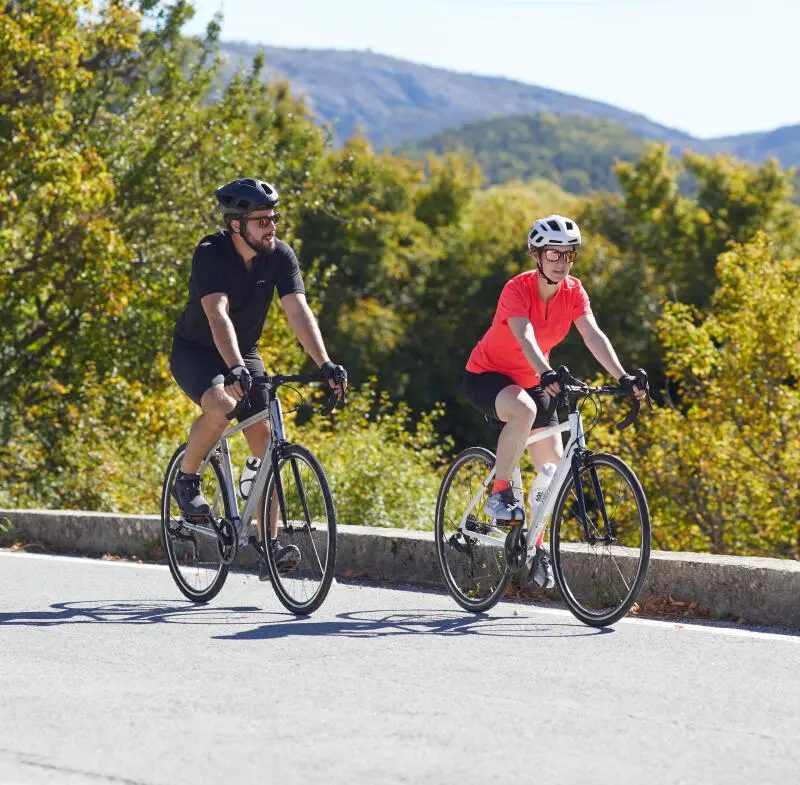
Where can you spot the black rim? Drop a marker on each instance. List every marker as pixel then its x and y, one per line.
pixel 307 522
pixel 475 573
pixel 600 577
pixel 194 559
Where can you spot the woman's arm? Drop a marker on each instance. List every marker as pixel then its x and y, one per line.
pixel 598 344
pixel 523 332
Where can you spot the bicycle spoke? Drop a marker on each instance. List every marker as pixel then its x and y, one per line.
pixel 194 558
pixel 307 524
pixel 600 577
pixel 471 556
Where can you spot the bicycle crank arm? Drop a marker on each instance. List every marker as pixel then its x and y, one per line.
pixel 257 544
pixel 485 539
pixel 205 529
pixel 515 550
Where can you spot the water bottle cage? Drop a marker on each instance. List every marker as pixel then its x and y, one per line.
pixel 248 475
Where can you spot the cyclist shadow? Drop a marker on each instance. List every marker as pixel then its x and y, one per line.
pixel 357 624
pixel 125 612
pixel 385 623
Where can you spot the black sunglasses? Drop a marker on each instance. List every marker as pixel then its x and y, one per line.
pixel 265 220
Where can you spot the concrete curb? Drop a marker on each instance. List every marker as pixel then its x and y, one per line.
pixel 748 589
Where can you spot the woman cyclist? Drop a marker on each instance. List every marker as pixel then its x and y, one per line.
pixel 508 375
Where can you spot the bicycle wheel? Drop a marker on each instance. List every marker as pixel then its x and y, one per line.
pixel 194 558
pixel 472 559
pixel 306 520
pixel 600 577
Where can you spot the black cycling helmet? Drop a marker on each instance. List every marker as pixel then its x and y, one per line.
pixel 245 195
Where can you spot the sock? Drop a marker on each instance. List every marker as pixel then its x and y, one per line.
pixel 499 485
pixel 540 540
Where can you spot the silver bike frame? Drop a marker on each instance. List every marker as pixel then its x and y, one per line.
pixel 277 433
pixel 577 439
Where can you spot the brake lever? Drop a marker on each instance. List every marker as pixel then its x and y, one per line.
pixel 631 416
pixel 335 397
pixel 641 381
pixel 240 404
pixel 644 384
pixel 331 406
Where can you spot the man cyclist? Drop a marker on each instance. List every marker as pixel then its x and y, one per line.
pixel 508 375
pixel 215 341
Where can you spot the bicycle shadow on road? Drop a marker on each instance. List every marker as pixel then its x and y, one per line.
pixel 127 612
pixel 357 624
pixel 385 623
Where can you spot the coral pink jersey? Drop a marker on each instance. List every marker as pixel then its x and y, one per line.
pixel 500 351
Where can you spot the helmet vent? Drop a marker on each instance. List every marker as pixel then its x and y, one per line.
pixel 553 230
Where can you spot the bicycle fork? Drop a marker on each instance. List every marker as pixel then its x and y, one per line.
pixel 578 461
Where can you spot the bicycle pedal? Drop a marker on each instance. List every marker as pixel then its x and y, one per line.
pixel 195 518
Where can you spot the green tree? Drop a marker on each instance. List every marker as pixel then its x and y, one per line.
pixel 110 148
pixel 721 471
pixel 659 245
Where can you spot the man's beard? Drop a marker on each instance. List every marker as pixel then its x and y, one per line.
pixel 259 246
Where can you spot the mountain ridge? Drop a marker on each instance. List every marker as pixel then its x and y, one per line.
pixel 395 102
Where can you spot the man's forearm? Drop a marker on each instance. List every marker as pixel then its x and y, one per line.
pixel 305 327
pixel 224 335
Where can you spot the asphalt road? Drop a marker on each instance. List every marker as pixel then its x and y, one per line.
pixel 108 675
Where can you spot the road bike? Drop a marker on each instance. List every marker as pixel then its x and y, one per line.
pixel 600 528
pixel 291 488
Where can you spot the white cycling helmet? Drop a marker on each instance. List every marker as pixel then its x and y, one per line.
pixel 553 230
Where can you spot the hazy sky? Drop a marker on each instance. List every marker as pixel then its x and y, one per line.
pixel 709 67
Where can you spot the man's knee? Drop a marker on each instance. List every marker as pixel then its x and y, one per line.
pixel 216 403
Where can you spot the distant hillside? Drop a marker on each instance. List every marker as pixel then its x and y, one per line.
pixel 577 153
pixel 782 143
pixel 395 102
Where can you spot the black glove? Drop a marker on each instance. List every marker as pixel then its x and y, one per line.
pixel 548 378
pixel 627 380
pixel 332 371
pixel 238 373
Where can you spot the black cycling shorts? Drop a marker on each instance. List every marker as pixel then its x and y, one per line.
pixel 196 368
pixel 482 390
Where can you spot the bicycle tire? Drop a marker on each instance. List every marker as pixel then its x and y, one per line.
pixel 187 552
pixel 600 582
pixel 476 574
pixel 308 521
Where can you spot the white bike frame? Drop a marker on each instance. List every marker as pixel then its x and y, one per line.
pixel 577 440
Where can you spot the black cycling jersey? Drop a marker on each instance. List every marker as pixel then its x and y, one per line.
pixel 217 267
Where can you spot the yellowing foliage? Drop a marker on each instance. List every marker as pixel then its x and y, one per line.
pixel 722 468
